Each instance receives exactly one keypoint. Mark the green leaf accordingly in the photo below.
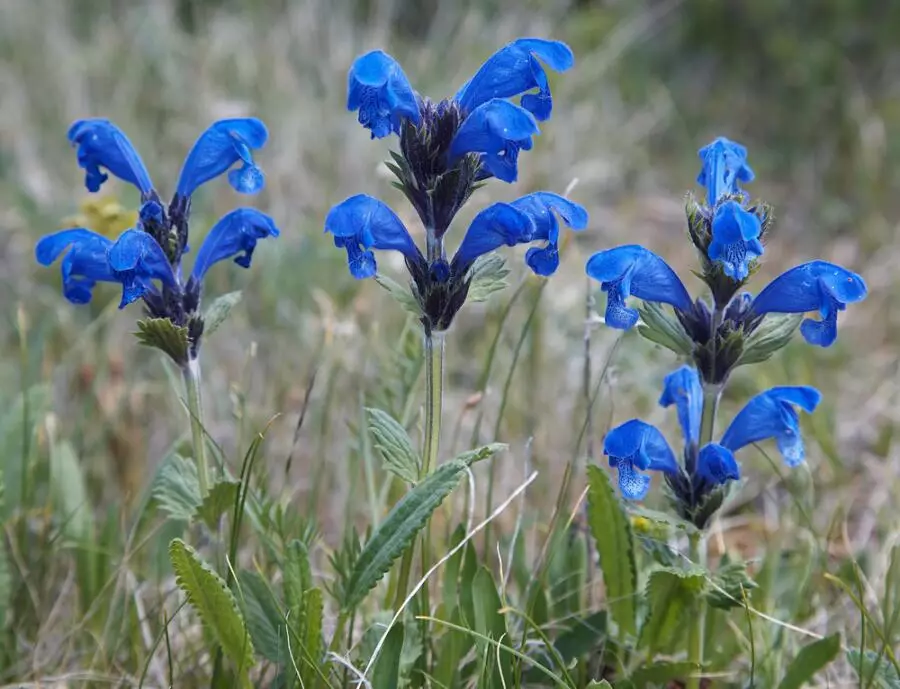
(394, 445)
(730, 583)
(478, 454)
(583, 636)
(386, 672)
(219, 310)
(403, 295)
(883, 675)
(262, 614)
(602, 684)
(774, 333)
(219, 500)
(490, 623)
(176, 488)
(214, 603)
(297, 574)
(304, 612)
(5, 569)
(314, 647)
(399, 529)
(163, 334)
(670, 595)
(662, 672)
(612, 534)
(488, 275)
(810, 660)
(70, 492)
(664, 329)
(14, 461)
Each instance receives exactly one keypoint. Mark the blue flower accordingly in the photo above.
(716, 465)
(771, 414)
(814, 286)
(102, 144)
(362, 223)
(724, 165)
(378, 88)
(632, 270)
(84, 265)
(223, 144)
(528, 219)
(636, 446)
(236, 234)
(735, 239)
(136, 260)
(682, 388)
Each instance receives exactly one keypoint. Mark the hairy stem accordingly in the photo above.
(695, 635)
(191, 373)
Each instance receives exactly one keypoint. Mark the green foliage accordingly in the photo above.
(663, 328)
(729, 585)
(219, 500)
(70, 493)
(487, 275)
(874, 668)
(774, 333)
(494, 663)
(6, 582)
(262, 614)
(386, 671)
(612, 534)
(219, 310)
(162, 334)
(670, 595)
(214, 603)
(176, 487)
(402, 295)
(659, 674)
(394, 445)
(810, 660)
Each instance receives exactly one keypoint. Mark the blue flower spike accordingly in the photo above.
(101, 144)
(772, 414)
(683, 389)
(634, 447)
(814, 286)
(223, 144)
(632, 270)
(85, 264)
(724, 164)
(362, 223)
(716, 465)
(380, 91)
(735, 239)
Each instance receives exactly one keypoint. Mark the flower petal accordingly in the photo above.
(500, 224)
(136, 259)
(771, 414)
(223, 144)
(717, 465)
(102, 144)
(236, 234)
(636, 445)
(85, 264)
(682, 388)
(362, 223)
(541, 207)
(378, 88)
(497, 130)
(735, 239)
(814, 286)
(724, 165)
(515, 69)
(632, 270)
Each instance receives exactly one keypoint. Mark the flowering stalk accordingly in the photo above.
(191, 374)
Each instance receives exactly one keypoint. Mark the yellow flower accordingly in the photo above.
(104, 215)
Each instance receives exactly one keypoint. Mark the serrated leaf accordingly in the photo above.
(399, 529)
(177, 488)
(70, 492)
(488, 275)
(394, 445)
(262, 615)
(163, 334)
(664, 329)
(661, 673)
(470, 457)
(811, 658)
(386, 672)
(731, 584)
(218, 500)
(670, 596)
(403, 295)
(774, 333)
(612, 534)
(219, 311)
(883, 675)
(297, 574)
(215, 604)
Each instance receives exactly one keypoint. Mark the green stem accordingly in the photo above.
(695, 637)
(191, 373)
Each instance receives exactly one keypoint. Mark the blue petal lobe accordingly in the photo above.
(724, 164)
(636, 445)
(84, 265)
(136, 259)
(236, 234)
(515, 69)
(814, 286)
(735, 239)
(683, 389)
(771, 414)
(102, 144)
(497, 130)
(541, 207)
(632, 270)
(716, 464)
(223, 144)
(378, 88)
(500, 224)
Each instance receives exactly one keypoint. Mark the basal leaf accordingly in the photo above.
(214, 603)
(399, 529)
(670, 595)
(176, 488)
(219, 310)
(874, 668)
(810, 660)
(386, 672)
(219, 500)
(611, 529)
(394, 445)
(262, 615)
(70, 492)
(490, 623)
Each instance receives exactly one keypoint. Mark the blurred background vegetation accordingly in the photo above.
(812, 88)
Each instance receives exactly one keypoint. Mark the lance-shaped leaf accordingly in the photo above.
(394, 446)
